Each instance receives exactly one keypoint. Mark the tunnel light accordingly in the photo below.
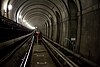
(20, 16)
(29, 26)
(24, 20)
(35, 27)
(5, 7)
(10, 7)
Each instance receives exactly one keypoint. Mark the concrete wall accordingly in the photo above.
(77, 19)
(84, 27)
(90, 39)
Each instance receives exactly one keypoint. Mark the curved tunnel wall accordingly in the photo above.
(76, 20)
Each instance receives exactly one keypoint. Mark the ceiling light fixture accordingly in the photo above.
(24, 20)
(20, 16)
(10, 7)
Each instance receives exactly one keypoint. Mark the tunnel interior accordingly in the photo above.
(63, 21)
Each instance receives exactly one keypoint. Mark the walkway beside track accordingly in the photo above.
(40, 57)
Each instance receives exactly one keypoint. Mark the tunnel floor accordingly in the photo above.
(40, 57)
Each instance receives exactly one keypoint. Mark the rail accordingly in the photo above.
(25, 59)
(9, 47)
(79, 60)
(66, 61)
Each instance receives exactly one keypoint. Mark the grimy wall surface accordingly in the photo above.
(83, 24)
(90, 34)
(63, 21)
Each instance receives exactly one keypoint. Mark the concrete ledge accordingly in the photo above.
(12, 41)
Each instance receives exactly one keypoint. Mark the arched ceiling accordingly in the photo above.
(36, 12)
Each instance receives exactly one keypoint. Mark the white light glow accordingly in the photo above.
(10, 7)
(29, 26)
(35, 27)
(5, 7)
(24, 20)
(20, 16)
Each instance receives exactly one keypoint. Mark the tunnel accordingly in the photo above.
(70, 33)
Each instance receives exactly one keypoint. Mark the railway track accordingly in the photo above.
(66, 58)
(48, 54)
(12, 51)
(44, 54)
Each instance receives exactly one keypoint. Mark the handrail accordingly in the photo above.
(73, 54)
(25, 59)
